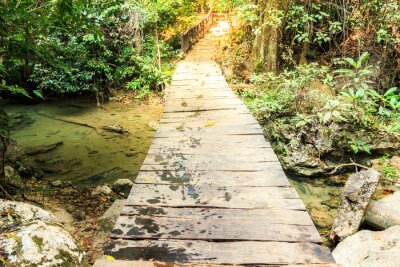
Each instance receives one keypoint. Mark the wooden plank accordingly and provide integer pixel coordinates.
(246, 140)
(242, 252)
(225, 178)
(216, 228)
(208, 157)
(228, 166)
(119, 263)
(222, 130)
(203, 116)
(270, 216)
(190, 151)
(214, 196)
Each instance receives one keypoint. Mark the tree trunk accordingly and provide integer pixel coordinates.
(266, 44)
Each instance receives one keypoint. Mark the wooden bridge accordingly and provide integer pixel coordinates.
(211, 189)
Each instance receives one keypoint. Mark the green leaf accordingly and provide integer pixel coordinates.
(38, 93)
(351, 61)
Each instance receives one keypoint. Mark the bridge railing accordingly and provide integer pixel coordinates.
(192, 35)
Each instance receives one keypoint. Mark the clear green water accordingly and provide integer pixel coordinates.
(85, 153)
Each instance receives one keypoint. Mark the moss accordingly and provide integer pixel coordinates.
(68, 259)
(38, 241)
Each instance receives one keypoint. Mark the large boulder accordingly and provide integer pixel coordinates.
(25, 212)
(370, 249)
(354, 200)
(384, 213)
(41, 244)
(29, 236)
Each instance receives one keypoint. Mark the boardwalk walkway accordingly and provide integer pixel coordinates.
(211, 189)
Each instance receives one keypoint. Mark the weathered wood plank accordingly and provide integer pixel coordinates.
(228, 166)
(217, 228)
(243, 252)
(208, 157)
(119, 263)
(214, 196)
(226, 178)
(269, 216)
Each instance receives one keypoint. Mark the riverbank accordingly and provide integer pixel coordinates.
(68, 160)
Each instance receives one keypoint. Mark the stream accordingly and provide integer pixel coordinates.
(87, 156)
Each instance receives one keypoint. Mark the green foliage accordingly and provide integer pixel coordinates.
(77, 46)
(301, 102)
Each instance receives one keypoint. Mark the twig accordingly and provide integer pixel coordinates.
(347, 165)
(69, 121)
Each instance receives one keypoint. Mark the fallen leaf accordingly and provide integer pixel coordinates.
(210, 123)
(148, 179)
(110, 258)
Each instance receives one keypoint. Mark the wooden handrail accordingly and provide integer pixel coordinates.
(192, 35)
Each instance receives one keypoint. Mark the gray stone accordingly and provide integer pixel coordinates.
(70, 208)
(102, 190)
(41, 244)
(122, 186)
(57, 183)
(26, 212)
(370, 249)
(12, 177)
(384, 213)
(354, 200)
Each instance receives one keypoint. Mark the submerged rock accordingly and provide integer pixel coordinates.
(57, 183)
(102, 190)
(41, 244)
(122, 186)
(321, 218)
(369, 249)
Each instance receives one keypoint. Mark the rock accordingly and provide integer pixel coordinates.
(384, 213)
(107, 220)
(355, 197)
(57, 183)
(78, 215)
(332, 203)
(28, 171)
(41, 244)
(321, 219)
(14, 152)
(12, 177)
(25, 212)
(102, 190)
(301, 164)
(122, 186)
(153, 125)
(395, 162)
(370, 249)
(70, 208)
